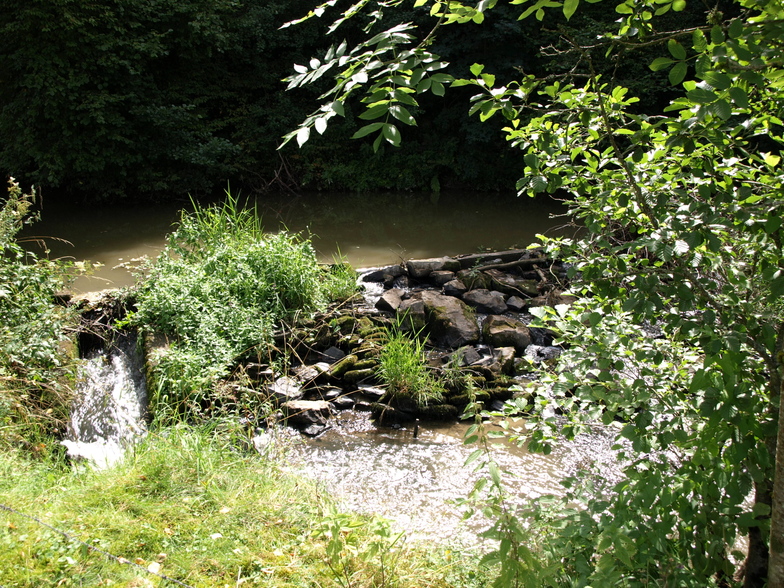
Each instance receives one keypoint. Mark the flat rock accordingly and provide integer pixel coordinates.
(503, 331)
(285, 389)
(383, 273)
(486, 301)
(303, 413)
(422, 268)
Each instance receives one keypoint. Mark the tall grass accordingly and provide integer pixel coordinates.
(219, 290)
(403, 369)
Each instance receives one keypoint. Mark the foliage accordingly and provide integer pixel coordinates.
(34, 367)
(189, 503)
(359, 550)
(165, 98)
(403, 369)
(683, 211)
(219, 290)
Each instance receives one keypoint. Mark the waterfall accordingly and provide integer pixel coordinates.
(109, 409)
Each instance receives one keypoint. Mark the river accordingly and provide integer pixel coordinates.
(368, 230)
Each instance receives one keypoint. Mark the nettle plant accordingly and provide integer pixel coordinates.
(682, 210)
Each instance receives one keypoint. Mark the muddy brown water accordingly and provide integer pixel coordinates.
(368, 230)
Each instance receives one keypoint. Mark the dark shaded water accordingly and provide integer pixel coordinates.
(369, 230)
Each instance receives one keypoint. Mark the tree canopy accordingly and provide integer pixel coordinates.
(676, 347)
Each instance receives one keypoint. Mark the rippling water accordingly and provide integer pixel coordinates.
(109, 408)
(415, 481)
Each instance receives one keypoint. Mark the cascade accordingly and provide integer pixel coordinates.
(109, 410)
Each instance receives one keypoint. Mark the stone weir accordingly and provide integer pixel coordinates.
(472, 311)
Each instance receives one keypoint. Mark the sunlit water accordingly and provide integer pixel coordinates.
(108, 413)
(416, 481)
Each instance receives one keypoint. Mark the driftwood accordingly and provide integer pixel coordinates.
(521, 263)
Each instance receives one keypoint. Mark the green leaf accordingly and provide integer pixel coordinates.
(495, 473)
(676, 49)
(677, 73)
(736, 28)
(698, 41)
(679, 5)
(437, 89)
(570, 7)
(660, 63)
(722, 109)
(739, 97)
(717, 79)
(477, 69)
(391, 134)
(401, 114)
(366, 130)
(701, 96)
(375, 111)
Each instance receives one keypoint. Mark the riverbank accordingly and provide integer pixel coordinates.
(197, 507)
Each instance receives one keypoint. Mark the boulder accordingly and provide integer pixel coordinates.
(451, 323)
(333, 354)
(464, 356)
(285, 389)
(505, 359)
(515, 304)
(486, 301)
(503, 331)
(455, 288)
(422, 268)
(411, 314)
(390, 300)
(473, 279)
(441, 277)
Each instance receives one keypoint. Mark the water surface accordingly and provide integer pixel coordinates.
(368, 230)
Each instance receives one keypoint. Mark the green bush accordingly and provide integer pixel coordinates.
(34, 368)
(219, 290)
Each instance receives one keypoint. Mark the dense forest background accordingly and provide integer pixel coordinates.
(158, 99)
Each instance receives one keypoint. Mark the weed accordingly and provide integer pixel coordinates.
(35, 369)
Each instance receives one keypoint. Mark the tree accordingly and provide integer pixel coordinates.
(677, 344)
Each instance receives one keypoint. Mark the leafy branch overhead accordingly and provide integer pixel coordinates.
(676, 348)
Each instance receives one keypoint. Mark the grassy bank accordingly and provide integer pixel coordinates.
(193, 506)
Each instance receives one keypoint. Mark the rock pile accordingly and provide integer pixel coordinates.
(473, 309)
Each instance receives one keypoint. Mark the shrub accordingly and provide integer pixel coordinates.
(220, 289)
(34, 369)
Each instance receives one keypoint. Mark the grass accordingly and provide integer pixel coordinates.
(193, 506)
(403, 369)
